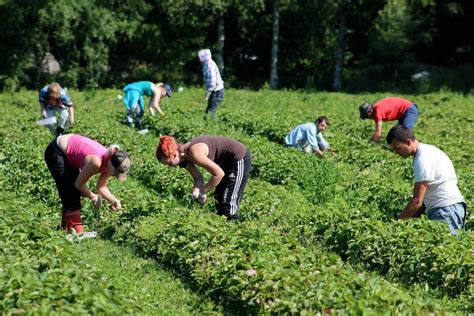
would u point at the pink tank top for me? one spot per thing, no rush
(78, 147)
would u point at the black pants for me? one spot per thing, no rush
(230, 190)
(65, 175)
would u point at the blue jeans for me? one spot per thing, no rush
(454, 215)
(213, 102)
(408, 119)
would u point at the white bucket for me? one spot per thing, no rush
(143, 131)
(47, 121)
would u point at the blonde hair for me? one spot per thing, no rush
(54, 90)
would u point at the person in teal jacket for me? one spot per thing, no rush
(135, 104)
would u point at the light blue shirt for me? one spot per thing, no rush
(305, 134)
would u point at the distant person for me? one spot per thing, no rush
(72, 160)
(389, 109)
(435, 190)
(213, 83)
(54, 99)
(227, 160)
(309, 138)
(135, 104)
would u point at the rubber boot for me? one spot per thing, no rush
(59, 131)
(73, 220)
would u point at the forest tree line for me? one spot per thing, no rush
(348, 45)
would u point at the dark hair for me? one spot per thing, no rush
(364, 110)
(400, 133)
(117, 158)
(322, 118)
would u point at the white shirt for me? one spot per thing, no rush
(431, 164)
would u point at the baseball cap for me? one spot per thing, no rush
(121, 163)
(364, 109)
(168, 90)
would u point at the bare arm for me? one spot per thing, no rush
(378, 132)
(155, 101)
(415, 205)
(199, 153)
(318, 152)
(91, 167)
(332, 152)
(71, 116)
(104, 191)
(198, 179)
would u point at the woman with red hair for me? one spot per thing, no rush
(72, 160)
(227, 160)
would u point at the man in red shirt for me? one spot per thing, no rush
(389, 109)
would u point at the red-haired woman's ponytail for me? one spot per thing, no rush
(166, 147)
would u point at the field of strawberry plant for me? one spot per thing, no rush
(315, 235)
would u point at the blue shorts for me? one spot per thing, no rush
(454, 215)
(408, 119)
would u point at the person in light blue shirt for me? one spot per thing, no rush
(309, 138)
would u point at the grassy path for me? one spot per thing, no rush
(151, 288)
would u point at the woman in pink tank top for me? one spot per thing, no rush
(72, 160)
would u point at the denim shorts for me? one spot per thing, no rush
(454, 215)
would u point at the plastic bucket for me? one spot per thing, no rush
(47, 121)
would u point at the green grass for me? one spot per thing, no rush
(342, 205)
(150, 287)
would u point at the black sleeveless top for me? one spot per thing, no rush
(222, 150)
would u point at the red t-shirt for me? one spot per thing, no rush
(390, 109)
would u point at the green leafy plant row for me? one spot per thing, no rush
(320, 281)
(40, 274)
(141, 151)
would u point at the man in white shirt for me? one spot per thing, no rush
(435, 189)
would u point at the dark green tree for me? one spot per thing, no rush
(392, 34)
(79, 33)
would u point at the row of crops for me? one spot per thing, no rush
(316, 235)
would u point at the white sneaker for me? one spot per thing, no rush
(81, 236)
